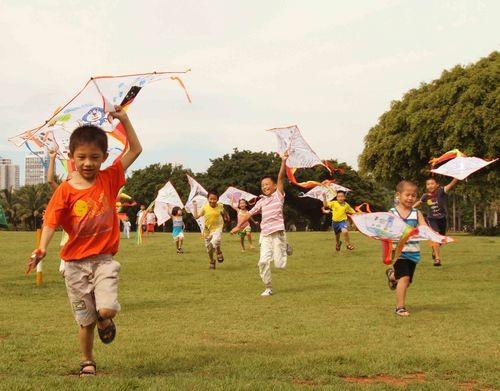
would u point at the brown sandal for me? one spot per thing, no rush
(107, 334)
(87, 372)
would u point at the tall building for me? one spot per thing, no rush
(34, 168)
(9, 174)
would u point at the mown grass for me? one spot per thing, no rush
(185, 327)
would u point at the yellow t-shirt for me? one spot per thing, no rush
(340, 211)
(213, 217)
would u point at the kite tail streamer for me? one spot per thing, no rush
(407, 234)
(386, 251)
(182, 86)
(365, 205)
(446, 156)
(305, 185)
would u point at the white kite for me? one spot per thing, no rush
(461, 167)
(232, 196)
(198, 194)
(300, 153)
(328, 189)
(166, 199)
(388, 228)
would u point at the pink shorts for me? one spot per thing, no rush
(92, 284)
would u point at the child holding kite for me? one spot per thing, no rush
(214, 214)
(177, 228)
(85, 208)
(436, 199)
(339, 209)
(401, 275)
(246, 229)
(273, 245)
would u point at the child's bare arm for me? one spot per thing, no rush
(195, 211)
(325, 201)
(135, 147)
(417, 204)
(51, 172)
(244, 219)
(450, 185)
(421, 219)
(41, 251)
(325, 210)
(282, 173)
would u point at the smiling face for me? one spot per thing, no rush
(431, 185)
(242, 204)
(268, 186)
(341, 197)
(212, 200)
(407, 196)
(88, 158)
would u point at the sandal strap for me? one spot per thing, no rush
(401, 309)
(88, 363)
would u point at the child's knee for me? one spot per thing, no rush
(107, 313)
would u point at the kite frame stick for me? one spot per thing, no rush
(81, 90)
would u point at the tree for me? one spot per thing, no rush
(32, 201)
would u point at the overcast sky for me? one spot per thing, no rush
(331, 67)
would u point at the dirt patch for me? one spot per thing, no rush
(305, 382)
(395, 381)
(473, 385)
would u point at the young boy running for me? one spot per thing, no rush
(340, 209)
(436, 199)
(85, 208)
(401, 276)
(273, 245)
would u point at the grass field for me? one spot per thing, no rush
(330, 325)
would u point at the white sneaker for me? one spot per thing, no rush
(267, 292)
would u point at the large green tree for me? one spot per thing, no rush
(460, 110)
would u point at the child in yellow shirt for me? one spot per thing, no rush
(339, 209)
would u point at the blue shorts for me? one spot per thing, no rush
(338, 226)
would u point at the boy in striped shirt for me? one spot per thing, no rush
(273, 245)
(401, 276)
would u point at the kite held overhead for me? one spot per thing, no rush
(90, 106)
(461, 167)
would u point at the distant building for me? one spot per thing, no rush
(34, 168)
(9, 174)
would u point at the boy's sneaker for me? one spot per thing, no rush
(212, 265)
(267, 292)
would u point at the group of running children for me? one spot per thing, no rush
(84, 207)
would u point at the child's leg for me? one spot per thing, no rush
(435, 251)
(401, 289)
(266, 256)
(346, 236)
(86, 340)
(279, 249)
(242, 242)
(250, 242)
(210, 250)
(181, 240)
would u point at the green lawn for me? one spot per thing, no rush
(330, 325)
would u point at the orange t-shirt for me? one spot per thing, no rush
(88, 215)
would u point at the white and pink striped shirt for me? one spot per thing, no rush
(271, 208)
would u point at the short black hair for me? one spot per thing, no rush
(175, 210)
(341, 192)
(401, 185)
(271, 177)
(88, 134)
(432, 179)
(214, 192)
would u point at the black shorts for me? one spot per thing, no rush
(438, 225)
(404, 267)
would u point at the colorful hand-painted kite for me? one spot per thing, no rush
(232, 196)
(91, 105)
(198, 194)
(166, 199)
(327, 188)
(390, 228)
(301, 155)
(461, 167)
